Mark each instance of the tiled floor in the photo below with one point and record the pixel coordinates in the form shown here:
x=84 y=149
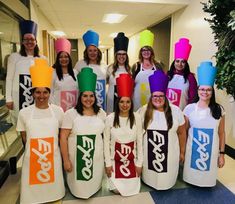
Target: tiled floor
x=9 y=193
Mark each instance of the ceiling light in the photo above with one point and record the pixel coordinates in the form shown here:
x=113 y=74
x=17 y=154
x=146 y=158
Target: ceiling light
x=58 y=33
x=113 y=35
x=1 y=33
x=113 y=18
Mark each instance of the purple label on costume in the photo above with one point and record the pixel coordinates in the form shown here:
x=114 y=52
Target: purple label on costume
x=201 y=149
x=157 y=150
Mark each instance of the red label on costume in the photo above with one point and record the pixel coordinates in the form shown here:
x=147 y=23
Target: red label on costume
x=41 y=166
x=174 y=95
x=68 y=99
x=124 y=160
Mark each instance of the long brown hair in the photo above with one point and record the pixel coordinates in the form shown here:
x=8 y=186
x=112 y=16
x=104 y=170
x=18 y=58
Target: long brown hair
x=148 y=116
x=87 y=60
x=131 y=117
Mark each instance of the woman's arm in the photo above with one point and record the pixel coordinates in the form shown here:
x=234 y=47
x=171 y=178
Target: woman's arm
x=221 y=132
x=181 y=131
x=107 y=149
x=64 y=134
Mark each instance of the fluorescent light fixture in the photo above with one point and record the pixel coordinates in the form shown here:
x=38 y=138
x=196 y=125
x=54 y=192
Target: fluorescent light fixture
x=102 y=46
x=113 y=18
x=58 y=33
x=113 y=35
x=1 y=33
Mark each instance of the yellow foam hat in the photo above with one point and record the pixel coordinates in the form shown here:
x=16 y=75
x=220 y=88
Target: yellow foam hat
x=146 y=38
x=41 y=73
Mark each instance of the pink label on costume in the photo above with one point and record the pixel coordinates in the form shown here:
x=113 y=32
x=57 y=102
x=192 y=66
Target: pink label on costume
x=124 y=160
x=174 y=95
x=68 y=99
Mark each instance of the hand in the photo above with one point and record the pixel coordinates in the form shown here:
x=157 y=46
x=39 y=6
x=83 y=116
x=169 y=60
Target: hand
x=68 y=166
x=138 y=170
x=221 y=161
x=10 y=105
x=109 y=171
x=182 y=157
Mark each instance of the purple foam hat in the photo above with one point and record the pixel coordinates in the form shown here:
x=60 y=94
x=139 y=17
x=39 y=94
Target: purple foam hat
x=158 y=81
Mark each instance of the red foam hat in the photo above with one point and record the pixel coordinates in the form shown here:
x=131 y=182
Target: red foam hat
x=125 y=85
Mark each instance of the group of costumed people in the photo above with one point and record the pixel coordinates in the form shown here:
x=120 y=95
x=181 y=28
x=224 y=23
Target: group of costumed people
x=149 y=122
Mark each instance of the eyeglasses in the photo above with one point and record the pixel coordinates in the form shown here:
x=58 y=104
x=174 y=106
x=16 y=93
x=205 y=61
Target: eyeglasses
x=205 y=90
x=29 y=40
x=121 y=54
x=158 y=96
x=145 y=50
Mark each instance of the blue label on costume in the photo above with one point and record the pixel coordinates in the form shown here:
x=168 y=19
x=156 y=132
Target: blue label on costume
x=157 y=150
x=100 y=93
x=201 y=149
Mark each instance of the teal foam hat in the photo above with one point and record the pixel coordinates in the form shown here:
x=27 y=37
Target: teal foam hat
x=206 y=73
x=86 y=80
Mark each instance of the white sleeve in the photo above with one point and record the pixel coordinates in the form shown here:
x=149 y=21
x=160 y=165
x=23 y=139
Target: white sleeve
x=180 y=117
x=10 y=75
x=188 y=109
x=60 y=115
x=107 y=142
x=20 y=122
x=68 y=119
x=139 y=141
x=52 y=95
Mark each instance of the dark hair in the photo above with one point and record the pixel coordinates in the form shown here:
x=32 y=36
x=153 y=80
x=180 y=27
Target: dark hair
x=115 y=64
x=23 y=52
x=131 y=117
x=148 y=116
x=79 y=106
x=58 y=67
x=86 y=58
x=215 y=108
x=34 y=88
x=186 y=71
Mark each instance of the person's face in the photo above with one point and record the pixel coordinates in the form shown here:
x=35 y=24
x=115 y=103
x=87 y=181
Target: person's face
x=88 y=99
x=124 y=105
x=205 y=92
x=158 y=100
x=180 y=64
x=121 y=57
x=92 y=52
x=41 y=96
x=146 y=53
x=29 y=41
x=64 y=59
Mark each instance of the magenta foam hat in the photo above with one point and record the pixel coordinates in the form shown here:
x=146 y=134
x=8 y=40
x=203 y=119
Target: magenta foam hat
x=62 y=44
x=158 y=81
x=182 y=49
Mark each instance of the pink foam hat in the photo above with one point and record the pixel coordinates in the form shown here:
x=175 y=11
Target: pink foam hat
x=62 y=44
x=182 y=49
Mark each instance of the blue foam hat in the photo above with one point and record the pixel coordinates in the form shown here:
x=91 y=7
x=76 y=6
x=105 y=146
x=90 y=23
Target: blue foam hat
x=28 y=26
x=91 y=38
x=206 y=73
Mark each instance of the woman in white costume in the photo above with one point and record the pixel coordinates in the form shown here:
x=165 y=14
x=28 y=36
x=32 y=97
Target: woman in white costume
x=81 y=140
x=143 y=69
x=18 y=82
x=205 y=120
x=92 y=58
x=164 y=137
x=120 y=65
x=42 y=178
x=182 y=86
x=64 y=90
x=123 y=141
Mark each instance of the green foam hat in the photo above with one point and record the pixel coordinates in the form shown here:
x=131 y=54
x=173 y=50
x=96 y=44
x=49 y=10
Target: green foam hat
x=86 y=80
x=146 y=38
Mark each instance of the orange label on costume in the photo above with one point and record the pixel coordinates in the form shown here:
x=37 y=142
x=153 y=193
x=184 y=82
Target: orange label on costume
x=41 y=169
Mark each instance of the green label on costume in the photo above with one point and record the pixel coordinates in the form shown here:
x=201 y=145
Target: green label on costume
x=85 y=155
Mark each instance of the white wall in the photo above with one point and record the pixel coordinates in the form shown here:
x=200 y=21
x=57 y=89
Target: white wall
x=189 y=22
x=43 y=22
